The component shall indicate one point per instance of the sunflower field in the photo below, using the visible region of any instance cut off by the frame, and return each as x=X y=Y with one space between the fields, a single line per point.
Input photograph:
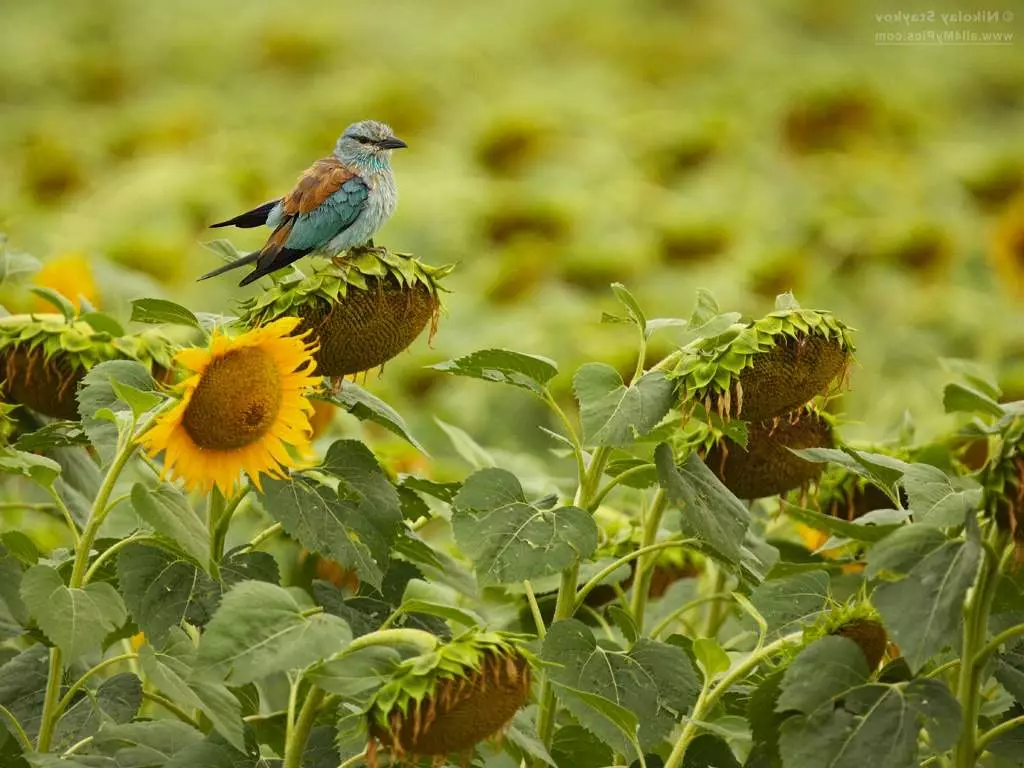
x=676 y=422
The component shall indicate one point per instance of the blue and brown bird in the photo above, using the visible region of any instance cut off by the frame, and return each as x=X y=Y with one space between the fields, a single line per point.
x=338 y=204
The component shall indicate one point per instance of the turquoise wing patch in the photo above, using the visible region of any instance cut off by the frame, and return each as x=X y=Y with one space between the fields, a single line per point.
x=333 y=216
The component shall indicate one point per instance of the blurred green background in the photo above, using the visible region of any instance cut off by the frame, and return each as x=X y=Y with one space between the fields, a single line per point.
x=555 y=147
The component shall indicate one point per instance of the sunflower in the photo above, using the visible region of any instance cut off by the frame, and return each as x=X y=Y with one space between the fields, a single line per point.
x=71 y=275
x=240 y=410
x=1007 y=249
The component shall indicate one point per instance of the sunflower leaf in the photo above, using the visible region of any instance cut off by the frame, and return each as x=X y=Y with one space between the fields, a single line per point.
x=162 y=312
x=116 y=700
x=508 y=539
x=260 y=629
x=170 y=514
x=614 y=414
x=75 y=619
x=97 y=392
x=324 y=523
x=368 y=407
x=529 y=372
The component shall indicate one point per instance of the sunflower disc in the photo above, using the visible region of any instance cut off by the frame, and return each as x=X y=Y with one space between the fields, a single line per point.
x=767 y=467
x=460 y=712
x=368 y=327
x=869 y=636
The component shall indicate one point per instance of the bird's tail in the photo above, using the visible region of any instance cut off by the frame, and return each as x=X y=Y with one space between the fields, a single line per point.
x=248 y=259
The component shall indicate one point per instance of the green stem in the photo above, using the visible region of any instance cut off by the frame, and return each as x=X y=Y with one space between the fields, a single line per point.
x=97 y=514
x=645 y=565
x=615 y=481
x=171 y=707
x=715 y=613
x=710 y=695
x=997 y=731
x=992 y=646
x=678 y=612
x=80 y=682
x=214 y=514
x=976 y=613
x=535 y=609
x=354 y=761
x=424 y=641
x=19 y=732
x=223 y=524
x=50 y=701
x=109 y=552
x=566 y=601
x=295 y=740
x=27 y=505
x=262 y=536
x=570 y=432
x=597 y=578
x=77 y=746
x=58 y=502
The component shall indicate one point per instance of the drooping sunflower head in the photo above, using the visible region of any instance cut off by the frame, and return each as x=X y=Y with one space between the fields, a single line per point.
x=361 y=313
x=241 y=410
x=766 y=466
x=757 y=371
x=857 y=621
x=44 y=357
x=446 y=702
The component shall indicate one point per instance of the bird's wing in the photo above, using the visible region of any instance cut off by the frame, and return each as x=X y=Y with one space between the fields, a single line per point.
x=327 y=198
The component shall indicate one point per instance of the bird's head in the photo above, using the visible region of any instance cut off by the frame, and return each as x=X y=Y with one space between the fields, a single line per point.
x=367 y=144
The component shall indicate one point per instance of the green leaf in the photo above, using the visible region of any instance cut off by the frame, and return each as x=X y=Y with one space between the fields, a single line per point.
x=960 y=398
x=623 y=619
x=1009 y=671
x=116 y=700
x=922 y=610
x=97 y=392
x=16 y=266
x=324 y=523
x=654 y=681
x=529 y=372
x=161 y=312
x=710 y=657
x=893 y=558
x=613 y=723
x=509 y=539
x=356 y=676
x=55 y=434
x=636 y=314
x=821 y=673
x=57 y=299
x=145 y=743
x=162 y=589
x=614 y=414
x=14 y=615
x=214 y=752
x=260 y=629
x=710 y=751
x=76 y=620
x=139 y=401
x=846 y=529
x=470 y=451
x=521 y=734
x=710 y=512
x=792 y=602
x=167 y=510
x=39 y=469
x=368 y=407
x=364 y=482
x=103 y=323
x=23 y=687
x=170 y=670
x=884 y=471
x=935 y=499
x=1009 y=744
x=875 y=725
x=574 y=746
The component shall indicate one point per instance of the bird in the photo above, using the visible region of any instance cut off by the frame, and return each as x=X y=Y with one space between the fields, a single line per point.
x=338 y=204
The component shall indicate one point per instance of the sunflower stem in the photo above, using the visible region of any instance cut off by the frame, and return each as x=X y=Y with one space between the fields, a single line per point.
x=295 y=740
x=419 y=638
x=19 y=732
x=645 y=564
x=50 y=701
x=109 y=552
x=65 y=700
x=171 y=707
x=565 y=604
x=601 y=575
x=711 y=693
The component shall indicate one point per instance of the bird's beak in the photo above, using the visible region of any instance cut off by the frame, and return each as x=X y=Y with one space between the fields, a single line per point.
x=392 y=143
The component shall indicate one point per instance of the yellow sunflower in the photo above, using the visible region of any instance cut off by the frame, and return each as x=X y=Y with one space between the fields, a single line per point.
x=239 y=412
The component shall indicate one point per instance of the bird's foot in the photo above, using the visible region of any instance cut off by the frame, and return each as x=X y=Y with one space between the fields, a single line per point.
x=376 y=250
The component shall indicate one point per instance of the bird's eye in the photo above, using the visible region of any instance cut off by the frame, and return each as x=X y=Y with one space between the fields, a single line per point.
x=363 y=139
